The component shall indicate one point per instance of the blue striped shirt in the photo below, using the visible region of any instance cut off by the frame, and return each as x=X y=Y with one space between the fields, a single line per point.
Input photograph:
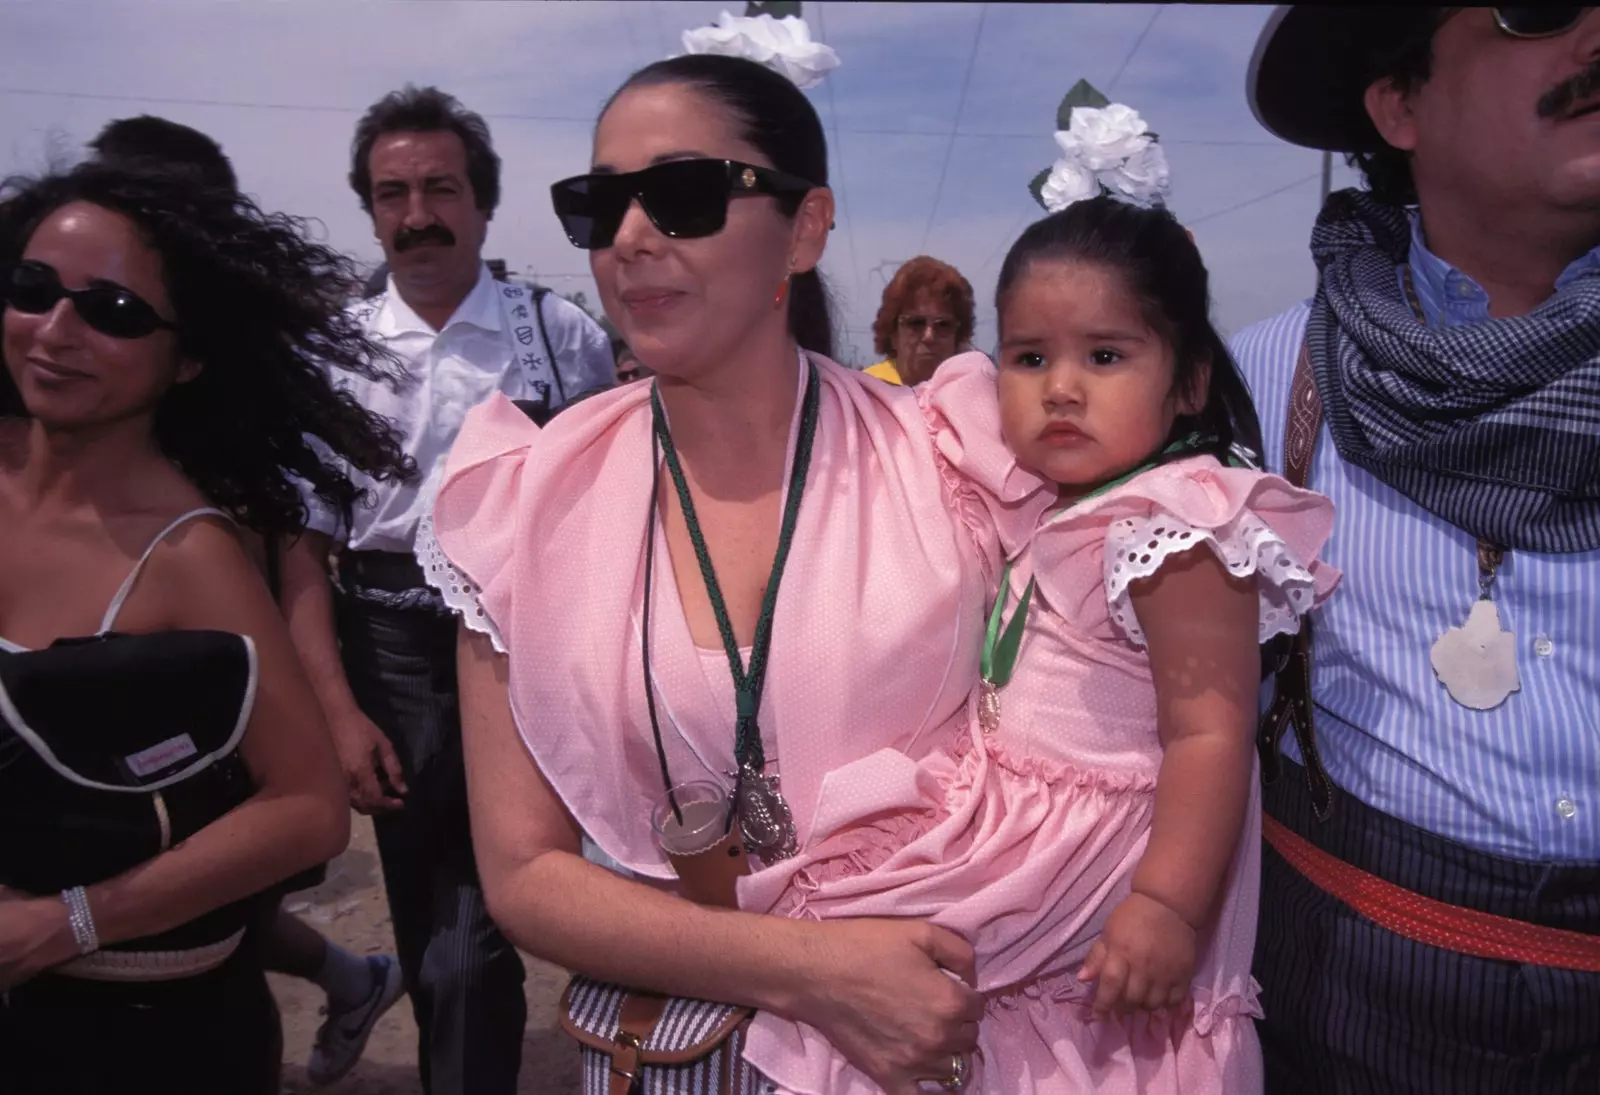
x=1522 y=780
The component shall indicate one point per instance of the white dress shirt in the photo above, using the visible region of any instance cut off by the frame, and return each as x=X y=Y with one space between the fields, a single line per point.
x=447 y=373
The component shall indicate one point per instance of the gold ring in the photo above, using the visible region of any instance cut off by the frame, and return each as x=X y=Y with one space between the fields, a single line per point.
x=958 y=1074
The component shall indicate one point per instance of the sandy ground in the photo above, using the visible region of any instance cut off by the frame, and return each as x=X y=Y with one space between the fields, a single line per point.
x=350 y=909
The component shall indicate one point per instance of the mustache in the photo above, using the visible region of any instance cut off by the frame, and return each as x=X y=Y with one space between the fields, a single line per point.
x=407 y=238
x=1558 y=100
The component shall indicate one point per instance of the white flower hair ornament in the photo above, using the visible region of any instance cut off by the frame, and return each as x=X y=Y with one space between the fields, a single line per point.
x=782 y=44
x=1106 y=148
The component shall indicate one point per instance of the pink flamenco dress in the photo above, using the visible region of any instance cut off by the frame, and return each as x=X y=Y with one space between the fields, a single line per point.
x=1022 y=835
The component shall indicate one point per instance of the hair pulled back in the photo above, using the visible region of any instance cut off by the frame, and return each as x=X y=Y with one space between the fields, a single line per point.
x=778 y=119
x=1161 y=267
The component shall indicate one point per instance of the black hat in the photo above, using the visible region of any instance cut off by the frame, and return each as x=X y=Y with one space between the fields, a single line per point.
x=1312 y=66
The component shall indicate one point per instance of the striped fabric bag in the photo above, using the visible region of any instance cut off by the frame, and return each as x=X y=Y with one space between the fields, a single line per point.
x=641 y=1043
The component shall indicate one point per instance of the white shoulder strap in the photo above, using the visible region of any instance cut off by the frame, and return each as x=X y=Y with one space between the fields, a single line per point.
x=530 y=344
x=133 y=575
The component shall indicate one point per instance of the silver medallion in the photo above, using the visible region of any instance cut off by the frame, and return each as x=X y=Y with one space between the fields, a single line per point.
x=764 y=817
x=988 y=707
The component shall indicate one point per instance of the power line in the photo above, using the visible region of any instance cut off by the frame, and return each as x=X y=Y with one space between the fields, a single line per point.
x=1137 y=42
x=569 y=119
x=317 y=108
x=838 y=150
x=1258 y=198
x=950 y=149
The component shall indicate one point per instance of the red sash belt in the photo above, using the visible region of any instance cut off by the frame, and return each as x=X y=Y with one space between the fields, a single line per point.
x=1424 y=920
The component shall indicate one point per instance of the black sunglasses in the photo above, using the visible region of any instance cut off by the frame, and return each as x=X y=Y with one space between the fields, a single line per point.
x=1537 y=22
x=35 y=288
x=684 y=199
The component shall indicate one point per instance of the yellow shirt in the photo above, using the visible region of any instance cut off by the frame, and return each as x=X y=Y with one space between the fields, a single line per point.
x=885 y=370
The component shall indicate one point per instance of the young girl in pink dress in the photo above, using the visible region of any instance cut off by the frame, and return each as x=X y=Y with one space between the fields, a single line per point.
x=1093 y=829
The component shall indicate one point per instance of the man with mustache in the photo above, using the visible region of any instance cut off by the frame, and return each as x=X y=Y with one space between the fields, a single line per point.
x=381 y=649
x=1430 y=913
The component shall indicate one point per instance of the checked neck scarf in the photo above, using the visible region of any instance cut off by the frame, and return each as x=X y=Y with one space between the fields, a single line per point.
x=1494 y=427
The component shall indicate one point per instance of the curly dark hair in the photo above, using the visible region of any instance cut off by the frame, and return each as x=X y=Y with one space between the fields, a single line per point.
x=923 y=272
x=426 y=110
x=261 y=309
x=1408 y=61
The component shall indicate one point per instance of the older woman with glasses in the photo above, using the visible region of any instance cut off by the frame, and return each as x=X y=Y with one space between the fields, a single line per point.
x=926 y=316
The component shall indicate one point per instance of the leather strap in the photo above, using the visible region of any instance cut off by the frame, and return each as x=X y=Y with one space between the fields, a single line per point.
x=641 y=1011
x=1291 y=701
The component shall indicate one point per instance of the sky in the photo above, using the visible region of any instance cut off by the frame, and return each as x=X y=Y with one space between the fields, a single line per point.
x=937 y=119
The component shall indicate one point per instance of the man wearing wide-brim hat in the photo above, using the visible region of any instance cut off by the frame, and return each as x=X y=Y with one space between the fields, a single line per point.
x=1430 y=899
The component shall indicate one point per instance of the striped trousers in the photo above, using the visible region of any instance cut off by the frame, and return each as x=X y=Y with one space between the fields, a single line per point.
x=1352 y=1008
x=464 y=977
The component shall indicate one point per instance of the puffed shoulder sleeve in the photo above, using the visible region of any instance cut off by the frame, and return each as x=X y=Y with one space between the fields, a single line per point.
x=464 y=543
x=1257 y=524
x=997 y=501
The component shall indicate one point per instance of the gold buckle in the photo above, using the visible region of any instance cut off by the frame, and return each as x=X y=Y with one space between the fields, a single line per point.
x=627 y=1042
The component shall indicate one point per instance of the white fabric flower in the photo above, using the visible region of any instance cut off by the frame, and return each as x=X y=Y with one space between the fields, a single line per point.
x=1141 y=178
x=1069 y=182
x=784 y=45
x=1101 y=138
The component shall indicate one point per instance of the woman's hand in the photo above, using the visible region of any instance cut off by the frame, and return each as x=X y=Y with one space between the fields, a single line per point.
x=1143 y=959
x=896 y=998
x=34 y=936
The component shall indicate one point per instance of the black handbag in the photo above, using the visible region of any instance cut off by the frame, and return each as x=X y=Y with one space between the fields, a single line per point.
x=115 y=748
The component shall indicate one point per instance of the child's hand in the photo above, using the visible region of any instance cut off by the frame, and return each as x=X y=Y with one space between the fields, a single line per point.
x=1143 y=959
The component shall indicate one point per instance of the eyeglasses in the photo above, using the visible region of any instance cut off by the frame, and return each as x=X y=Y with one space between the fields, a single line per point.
x=35 y=288
x=1537 y=22
x=918 y=325
x=684 y=199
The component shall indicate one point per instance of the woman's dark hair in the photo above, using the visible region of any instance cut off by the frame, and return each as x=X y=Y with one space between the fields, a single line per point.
x=426 y=110
x=779 y=120
x=151 y=142
x=1407 y=59
x=915 y=275
x=261 y=310
x=1161 y=266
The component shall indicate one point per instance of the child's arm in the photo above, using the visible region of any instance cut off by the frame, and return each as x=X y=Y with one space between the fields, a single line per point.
x=1201 y=626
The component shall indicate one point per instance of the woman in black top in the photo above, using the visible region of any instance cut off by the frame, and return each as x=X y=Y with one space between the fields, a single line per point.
x=162 y=758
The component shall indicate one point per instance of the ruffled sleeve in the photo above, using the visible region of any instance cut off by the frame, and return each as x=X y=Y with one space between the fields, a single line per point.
x=1256 y=524
x=483 y=473
x=996 y=500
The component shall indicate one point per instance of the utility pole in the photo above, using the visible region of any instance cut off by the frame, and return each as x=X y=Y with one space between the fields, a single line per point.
x=1327 y=177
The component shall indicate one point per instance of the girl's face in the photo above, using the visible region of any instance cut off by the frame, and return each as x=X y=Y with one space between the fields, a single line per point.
x=687 y=305
x=69 y=374
x=1086 y=386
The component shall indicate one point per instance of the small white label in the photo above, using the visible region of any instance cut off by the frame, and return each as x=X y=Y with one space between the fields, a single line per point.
x=157 y=758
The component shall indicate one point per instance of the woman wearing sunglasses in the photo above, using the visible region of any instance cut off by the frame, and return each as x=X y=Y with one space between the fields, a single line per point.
x=162 y=758
x=744 y=572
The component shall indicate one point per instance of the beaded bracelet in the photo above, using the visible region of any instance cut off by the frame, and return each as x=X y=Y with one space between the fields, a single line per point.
x=81 y=919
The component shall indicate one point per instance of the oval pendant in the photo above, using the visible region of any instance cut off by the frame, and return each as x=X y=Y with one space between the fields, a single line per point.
x=988 y=707
x=764 y=817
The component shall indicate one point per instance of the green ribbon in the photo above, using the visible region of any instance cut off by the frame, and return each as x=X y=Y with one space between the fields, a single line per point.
x=747 y=683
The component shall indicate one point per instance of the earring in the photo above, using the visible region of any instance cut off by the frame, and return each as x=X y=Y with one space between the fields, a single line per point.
x=783 y=287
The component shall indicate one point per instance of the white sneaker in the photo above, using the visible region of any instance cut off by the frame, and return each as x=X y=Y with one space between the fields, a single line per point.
x=343 y=1035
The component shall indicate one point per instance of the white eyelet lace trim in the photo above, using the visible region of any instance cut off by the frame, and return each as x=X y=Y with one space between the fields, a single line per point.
x=1136 y=547
x=460 y=595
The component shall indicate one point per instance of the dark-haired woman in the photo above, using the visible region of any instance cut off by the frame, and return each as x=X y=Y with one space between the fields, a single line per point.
x=1096 y=836
x=162 y=758
x=926 y=316
x=832 y=571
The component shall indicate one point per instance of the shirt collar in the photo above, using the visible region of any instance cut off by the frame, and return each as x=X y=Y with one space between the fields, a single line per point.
x=1450 y=298
x=480 y=308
